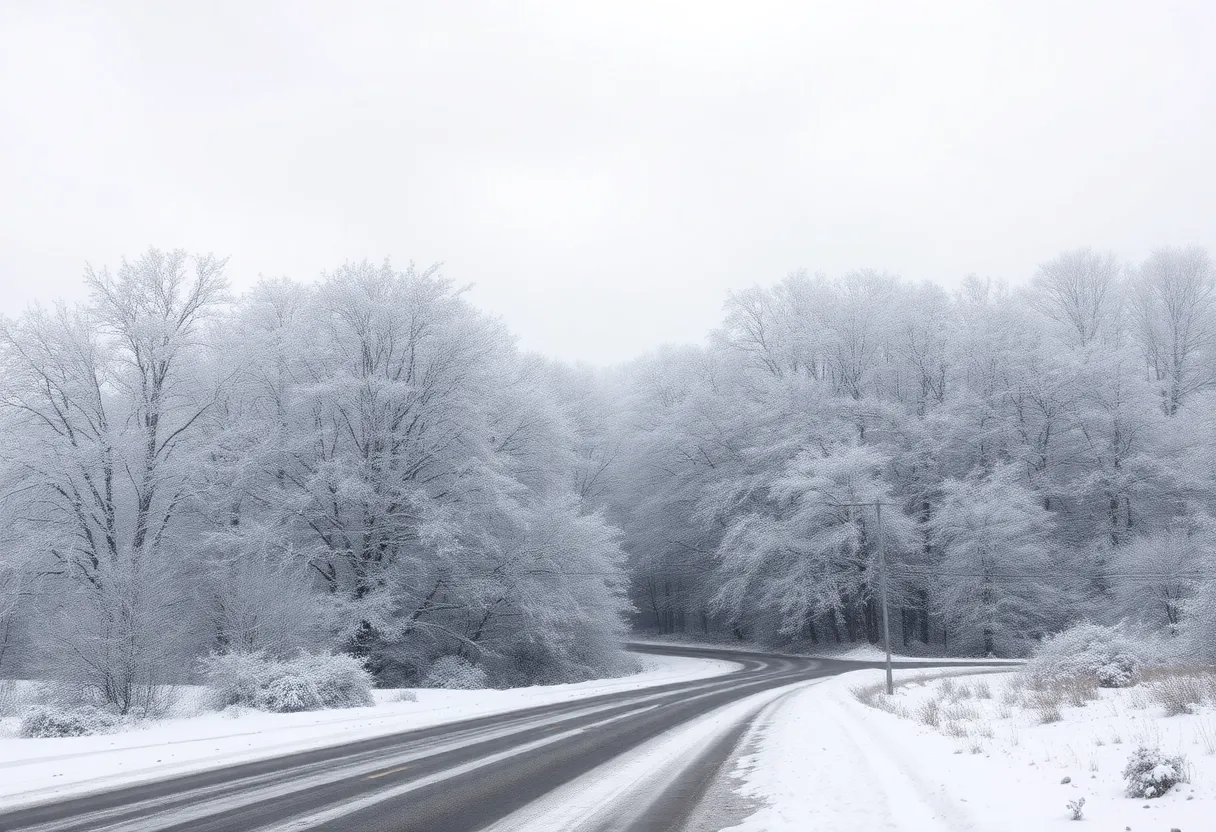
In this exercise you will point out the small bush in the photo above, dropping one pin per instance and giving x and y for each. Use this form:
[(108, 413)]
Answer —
[(288, 694), (404, 696), (1046, 706), (983, 690), (1120, 672), (307, 682), (47, 721), (1149, 773), (455, 673), (960, 712), (1076, 808), (1106, 655), (930, 713), (1048, 713)]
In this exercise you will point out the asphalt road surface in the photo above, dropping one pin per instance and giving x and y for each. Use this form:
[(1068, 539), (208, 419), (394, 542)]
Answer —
[(637, 760)]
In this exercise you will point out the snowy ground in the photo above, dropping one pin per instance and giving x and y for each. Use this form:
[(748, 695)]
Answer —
[(33, 770), (870, 653), (854, 653), (824, 760)]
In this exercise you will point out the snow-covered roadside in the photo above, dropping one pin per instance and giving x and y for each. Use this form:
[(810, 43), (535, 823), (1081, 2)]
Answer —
[(39, 769), (825, 760), (858, 653), (870, 653)]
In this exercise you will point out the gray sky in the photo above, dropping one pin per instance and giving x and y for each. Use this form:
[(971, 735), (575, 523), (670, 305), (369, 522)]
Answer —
[(604, 172)]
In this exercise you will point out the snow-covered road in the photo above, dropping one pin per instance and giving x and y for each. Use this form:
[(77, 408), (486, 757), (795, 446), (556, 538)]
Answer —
[(463, 775), (40, 769)]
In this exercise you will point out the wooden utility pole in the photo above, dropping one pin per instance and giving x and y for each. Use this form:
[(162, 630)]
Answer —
[(882, 584), (882, 588)]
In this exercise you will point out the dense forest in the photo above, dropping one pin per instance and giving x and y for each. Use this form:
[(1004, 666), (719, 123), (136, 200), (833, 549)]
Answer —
[(1039, 456), (367, 463)]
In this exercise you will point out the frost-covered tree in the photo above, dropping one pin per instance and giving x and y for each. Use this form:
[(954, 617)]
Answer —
[(1156, 575), (991, 534), (402, 447), (803, 544), (105, 416), (1175, 303), (1081, 291)]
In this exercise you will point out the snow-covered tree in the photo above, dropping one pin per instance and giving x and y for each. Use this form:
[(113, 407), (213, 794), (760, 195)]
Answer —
[(991, 534), (804, 545), (1175, 303), (105, 417)]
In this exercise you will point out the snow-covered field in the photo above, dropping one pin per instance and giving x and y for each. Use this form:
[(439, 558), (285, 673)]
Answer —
[(825, 760), (37, 769)]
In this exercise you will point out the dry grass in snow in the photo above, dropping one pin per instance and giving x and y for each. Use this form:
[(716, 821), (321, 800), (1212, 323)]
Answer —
[(1068, 727)]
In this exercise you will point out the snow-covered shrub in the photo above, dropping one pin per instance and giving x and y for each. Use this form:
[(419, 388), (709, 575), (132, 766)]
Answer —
[(1120, 672), (1149, 773), (406, 695), (340, 681), (49, 721), (304, 683), (1106, 655), (1076, 809), (455, 673), (287, 694), (235, 678)]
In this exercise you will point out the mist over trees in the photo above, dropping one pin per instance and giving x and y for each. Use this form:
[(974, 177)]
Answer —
[(367, 464)]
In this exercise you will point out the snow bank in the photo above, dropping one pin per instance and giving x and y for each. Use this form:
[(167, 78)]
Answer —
[(870, 653), (34, 770), (825, 760)]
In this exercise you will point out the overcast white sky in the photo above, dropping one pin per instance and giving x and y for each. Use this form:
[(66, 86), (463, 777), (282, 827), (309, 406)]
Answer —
[(604, 172)]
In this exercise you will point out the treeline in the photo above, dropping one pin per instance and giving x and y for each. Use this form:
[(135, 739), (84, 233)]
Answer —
[(364, 464), (1040, 456), (367, 464)]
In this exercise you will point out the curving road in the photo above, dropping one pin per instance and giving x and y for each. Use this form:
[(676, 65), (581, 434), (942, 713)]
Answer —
[(638, 760)]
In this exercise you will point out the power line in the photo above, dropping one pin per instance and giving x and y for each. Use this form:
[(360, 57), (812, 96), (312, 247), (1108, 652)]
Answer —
[(1046, 575)]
